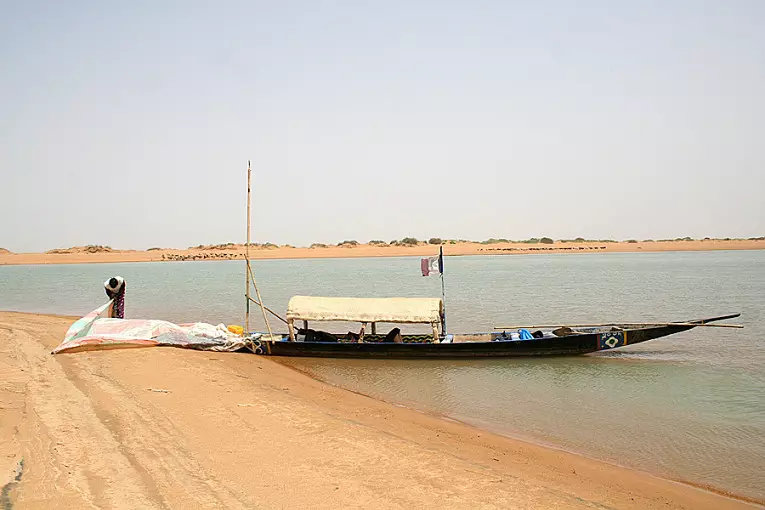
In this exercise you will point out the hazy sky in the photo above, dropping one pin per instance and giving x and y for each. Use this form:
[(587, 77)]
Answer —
[(131, 123)]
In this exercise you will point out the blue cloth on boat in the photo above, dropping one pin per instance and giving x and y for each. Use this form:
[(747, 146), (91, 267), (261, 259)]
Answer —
[(525, 335)]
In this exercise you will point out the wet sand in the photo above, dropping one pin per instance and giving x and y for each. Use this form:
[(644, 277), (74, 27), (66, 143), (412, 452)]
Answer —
[(169, 428), (80, 256)]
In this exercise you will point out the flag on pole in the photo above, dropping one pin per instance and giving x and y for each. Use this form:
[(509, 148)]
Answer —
[(433, 265), (429, 265)]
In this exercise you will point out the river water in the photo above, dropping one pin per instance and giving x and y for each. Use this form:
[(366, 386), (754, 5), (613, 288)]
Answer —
[(690, 406)]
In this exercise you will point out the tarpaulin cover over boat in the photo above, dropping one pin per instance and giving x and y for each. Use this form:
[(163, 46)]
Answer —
[(96, 331), (396, 310)]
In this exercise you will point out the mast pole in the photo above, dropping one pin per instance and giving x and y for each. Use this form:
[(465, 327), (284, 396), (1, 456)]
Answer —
[(247, 255), (250, 274), (443, 289)]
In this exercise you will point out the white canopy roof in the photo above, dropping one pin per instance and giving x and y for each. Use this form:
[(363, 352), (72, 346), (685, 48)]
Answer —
[(397, 310)]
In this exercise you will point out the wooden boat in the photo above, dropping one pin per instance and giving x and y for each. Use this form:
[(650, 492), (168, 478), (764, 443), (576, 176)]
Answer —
[(560, 341), (564, 341)]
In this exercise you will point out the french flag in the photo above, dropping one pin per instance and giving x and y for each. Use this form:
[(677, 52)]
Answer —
[(433, 265)]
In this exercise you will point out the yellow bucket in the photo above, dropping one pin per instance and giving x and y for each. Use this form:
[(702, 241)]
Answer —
[(237, 330)]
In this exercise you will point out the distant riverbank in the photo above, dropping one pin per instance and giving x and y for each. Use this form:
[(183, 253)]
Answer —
[(100, 254)]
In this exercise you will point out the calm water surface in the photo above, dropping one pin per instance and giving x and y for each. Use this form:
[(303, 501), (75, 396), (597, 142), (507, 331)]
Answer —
[(690, 406)]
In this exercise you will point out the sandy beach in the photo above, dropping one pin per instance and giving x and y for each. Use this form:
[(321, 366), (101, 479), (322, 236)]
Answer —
[(169, 428), (80, 255)]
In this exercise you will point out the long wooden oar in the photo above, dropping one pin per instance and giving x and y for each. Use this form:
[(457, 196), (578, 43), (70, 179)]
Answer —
[(694, 324)]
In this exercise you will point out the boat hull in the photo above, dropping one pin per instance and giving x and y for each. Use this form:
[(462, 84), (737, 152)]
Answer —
[(543, 347), (558, 346)]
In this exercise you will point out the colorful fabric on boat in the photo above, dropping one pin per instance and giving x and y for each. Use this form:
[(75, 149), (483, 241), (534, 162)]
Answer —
[(95, 331), (524, 334)]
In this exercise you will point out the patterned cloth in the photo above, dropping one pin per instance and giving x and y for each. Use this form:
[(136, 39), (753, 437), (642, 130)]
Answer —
[(119, 304)]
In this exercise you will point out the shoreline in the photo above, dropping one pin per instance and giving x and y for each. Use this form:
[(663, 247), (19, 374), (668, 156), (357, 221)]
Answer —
[(237, 252), (89, 432), (544, 445)]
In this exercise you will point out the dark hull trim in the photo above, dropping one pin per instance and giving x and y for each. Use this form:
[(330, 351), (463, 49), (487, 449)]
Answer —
[(560, 346)]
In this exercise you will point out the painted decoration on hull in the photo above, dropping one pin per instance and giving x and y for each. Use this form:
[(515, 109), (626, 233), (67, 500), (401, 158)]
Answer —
[(612, 340)]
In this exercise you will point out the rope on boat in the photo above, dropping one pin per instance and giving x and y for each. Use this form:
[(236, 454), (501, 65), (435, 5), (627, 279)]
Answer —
[(255, 346), (268, 309)]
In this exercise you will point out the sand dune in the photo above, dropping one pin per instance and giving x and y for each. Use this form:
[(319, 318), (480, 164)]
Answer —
[(241, 431), (80, 255)]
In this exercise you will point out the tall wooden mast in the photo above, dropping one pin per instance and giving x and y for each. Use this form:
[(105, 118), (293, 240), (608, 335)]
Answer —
[(249, 275)]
